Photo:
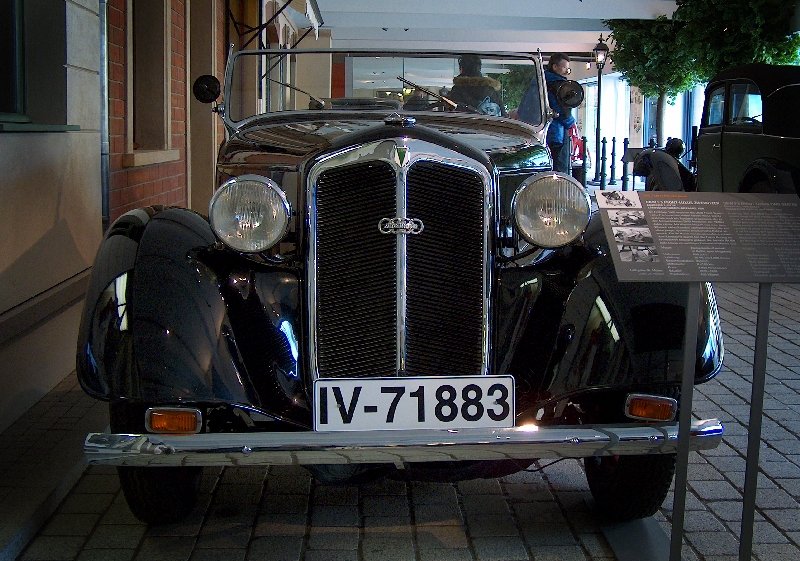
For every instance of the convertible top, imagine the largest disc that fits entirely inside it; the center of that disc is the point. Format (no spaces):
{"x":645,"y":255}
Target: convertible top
{"x":768,"y":77}
{"x":780,"y":92}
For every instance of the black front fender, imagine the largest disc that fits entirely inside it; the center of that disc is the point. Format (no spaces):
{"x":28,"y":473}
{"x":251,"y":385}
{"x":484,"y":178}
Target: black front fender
{"x":169,"y":318}
{"x":573,"y":327}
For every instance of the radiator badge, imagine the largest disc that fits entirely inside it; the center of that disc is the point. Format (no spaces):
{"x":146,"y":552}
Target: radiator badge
{"x":400,"y":226}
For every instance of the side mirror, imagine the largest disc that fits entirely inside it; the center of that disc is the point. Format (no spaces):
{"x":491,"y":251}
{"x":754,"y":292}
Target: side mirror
{"x":569,"y":94}
{"x":206,"y":88}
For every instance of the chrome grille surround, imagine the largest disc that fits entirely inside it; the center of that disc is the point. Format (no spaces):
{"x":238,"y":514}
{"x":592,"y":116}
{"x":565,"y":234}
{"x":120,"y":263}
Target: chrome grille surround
{"x":401,"y":154}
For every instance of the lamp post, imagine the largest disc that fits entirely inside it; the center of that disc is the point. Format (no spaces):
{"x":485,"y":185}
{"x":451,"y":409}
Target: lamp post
{"x":600,"y":54}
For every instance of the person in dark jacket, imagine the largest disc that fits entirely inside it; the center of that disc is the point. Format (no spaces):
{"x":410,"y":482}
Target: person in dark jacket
{"x":417,"y":102}
{"x":556,"y":71}
{"x":663,"y":170}
{"x":675,"y":148}
{"x":472,"y":88}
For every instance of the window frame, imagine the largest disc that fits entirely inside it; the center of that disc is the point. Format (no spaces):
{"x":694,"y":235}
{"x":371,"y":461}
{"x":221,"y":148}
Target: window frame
{"x":706,"y":112}
{"x":161,"y":150}
{"x":754,"y":128}
{"x":19,"y":114}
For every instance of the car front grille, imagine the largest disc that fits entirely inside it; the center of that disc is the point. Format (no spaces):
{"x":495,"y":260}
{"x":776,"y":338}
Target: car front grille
{"x":359,"y":278}
{"x":356,"y":278}
{"x":445,"y":271}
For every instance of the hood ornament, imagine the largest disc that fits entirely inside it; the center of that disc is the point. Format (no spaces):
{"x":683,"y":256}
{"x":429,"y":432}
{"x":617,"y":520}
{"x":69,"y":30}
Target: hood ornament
{"x":397,"y":120}
{"x":400,"y":225}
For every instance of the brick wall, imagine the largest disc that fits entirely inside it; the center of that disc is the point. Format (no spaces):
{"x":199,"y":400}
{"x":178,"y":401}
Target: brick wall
{"x":157,"y":184}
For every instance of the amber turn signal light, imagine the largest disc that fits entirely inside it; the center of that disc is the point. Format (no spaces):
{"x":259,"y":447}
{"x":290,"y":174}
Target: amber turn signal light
{"x":172,"y":420}
{"x":650,"y":407}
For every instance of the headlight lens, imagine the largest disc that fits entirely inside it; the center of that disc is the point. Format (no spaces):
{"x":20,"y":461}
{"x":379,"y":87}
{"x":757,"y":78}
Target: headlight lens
{"x":550,"y":209}
{"x":250,"y":213}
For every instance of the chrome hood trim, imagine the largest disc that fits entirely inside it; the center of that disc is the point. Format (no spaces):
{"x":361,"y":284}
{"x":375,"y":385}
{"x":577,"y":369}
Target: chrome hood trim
{"x":298,"y":448}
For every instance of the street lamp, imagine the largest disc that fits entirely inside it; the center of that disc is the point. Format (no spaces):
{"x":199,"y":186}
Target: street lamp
{"x":600,"y":54}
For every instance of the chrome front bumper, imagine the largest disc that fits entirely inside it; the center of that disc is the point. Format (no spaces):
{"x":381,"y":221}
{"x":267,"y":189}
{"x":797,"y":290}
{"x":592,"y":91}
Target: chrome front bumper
{"x":287,"y":448}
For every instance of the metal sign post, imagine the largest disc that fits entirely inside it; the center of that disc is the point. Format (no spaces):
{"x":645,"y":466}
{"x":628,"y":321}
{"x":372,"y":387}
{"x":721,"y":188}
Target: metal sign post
{"x":754,"y":425}
{"x":684,"y":423}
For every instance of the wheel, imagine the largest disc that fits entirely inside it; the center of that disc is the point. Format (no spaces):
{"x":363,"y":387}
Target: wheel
{"x":160,"y":495}
{"x":155,"y":495}
{"x":451,"y":472}
{"x":629,"y":487}
{"x":762,"y":186}
{"x":348,"y":474}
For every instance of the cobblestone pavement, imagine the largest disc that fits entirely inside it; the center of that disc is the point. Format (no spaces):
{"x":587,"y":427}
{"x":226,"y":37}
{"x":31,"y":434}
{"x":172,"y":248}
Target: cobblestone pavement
{"x":281,"y":513}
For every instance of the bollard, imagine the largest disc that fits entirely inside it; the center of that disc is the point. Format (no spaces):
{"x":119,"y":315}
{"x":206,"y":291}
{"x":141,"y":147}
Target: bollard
{"x":603,"y":165}
{"x":613,"y":180}
{"x":625,"y":143}
{"x":583,"y":159}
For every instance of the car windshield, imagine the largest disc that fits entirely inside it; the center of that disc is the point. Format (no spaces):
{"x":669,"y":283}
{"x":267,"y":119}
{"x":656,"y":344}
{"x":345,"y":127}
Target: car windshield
{"x":261,"y":82}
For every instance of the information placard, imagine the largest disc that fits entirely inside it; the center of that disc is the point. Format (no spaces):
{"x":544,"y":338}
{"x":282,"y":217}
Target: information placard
{"x":692,"y":237}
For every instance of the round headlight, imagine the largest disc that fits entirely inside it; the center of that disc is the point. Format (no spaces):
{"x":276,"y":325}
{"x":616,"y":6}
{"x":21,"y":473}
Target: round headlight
{"x":550,"y":209}
{"x":250,"y":213}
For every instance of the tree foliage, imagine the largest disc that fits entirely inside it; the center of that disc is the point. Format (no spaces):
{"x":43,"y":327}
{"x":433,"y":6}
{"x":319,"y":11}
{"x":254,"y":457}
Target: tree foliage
{"x":648,"y":56}
{"x":515,"y":83}
{"x":720,"y":34}
{"x":664,"y":57}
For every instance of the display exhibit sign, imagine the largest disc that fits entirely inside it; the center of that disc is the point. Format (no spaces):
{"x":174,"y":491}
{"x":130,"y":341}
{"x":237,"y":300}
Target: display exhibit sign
{"x":691,"y":237}
{"x":697,"y":237}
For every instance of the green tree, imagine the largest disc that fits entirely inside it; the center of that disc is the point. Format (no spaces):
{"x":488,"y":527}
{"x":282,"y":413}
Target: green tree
{"x":721,"y":34}
{"x":515,"y":83}
{"x":649,"y":57}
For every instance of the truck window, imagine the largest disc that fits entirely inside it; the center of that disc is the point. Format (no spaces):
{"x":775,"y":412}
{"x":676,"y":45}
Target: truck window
{"x":715,"y":104}
{"x":745,"y":105}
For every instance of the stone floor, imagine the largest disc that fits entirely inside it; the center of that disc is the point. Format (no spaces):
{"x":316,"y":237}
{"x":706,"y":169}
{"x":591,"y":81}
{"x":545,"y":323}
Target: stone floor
{"x":281,"y":513}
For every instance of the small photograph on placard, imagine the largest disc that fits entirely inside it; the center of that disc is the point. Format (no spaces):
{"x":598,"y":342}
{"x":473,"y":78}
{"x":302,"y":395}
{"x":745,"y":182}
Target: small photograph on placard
{"x":633,"y":236}
{"x":618,"y":199}
{"x":638,"y":254}
{"x":627,"y":218}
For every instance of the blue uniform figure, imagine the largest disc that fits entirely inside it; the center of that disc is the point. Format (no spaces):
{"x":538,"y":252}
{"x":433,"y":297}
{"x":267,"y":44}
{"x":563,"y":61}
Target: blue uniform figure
{"x":556,"y":71}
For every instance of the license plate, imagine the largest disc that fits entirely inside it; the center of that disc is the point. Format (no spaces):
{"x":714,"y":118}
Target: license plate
{"x":343,"y":404}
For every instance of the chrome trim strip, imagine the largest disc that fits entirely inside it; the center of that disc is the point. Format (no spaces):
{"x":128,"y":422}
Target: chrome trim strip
{"x":401,"y":254}
{"x":386,"y":151}
{"x":394,"y":446}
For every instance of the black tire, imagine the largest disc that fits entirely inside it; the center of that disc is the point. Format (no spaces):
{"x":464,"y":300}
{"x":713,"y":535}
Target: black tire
{"x":451,"y":472}
{"x":155,"y":495}
{"x":160,"y":495}
{"x":761,"y":186}
{"x":629,"y":487}
{"x":348,"y":474}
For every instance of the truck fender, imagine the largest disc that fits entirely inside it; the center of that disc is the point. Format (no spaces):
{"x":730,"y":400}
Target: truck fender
{"x":779,"y":176}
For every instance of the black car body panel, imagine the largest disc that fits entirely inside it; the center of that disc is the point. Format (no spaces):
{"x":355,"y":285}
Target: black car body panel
{"x":195,"y":323}
{"x":175,"y":317}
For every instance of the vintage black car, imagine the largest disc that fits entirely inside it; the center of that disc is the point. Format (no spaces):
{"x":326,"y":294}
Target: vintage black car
{"x":749,"y":138}
{"x":383,"y":292}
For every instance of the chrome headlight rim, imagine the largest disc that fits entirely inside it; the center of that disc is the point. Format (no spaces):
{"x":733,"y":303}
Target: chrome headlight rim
{"x":269,"y":185}
{"x":528,"y":183}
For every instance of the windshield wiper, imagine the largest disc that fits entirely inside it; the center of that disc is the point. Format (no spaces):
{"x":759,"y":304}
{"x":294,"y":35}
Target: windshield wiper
{"x":440,"y":97}
{"x":318,"y":103}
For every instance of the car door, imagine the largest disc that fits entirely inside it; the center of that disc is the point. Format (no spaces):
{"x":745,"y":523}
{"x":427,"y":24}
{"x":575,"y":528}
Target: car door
{"x":709,"y":140}
{"x":742,"y":138}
